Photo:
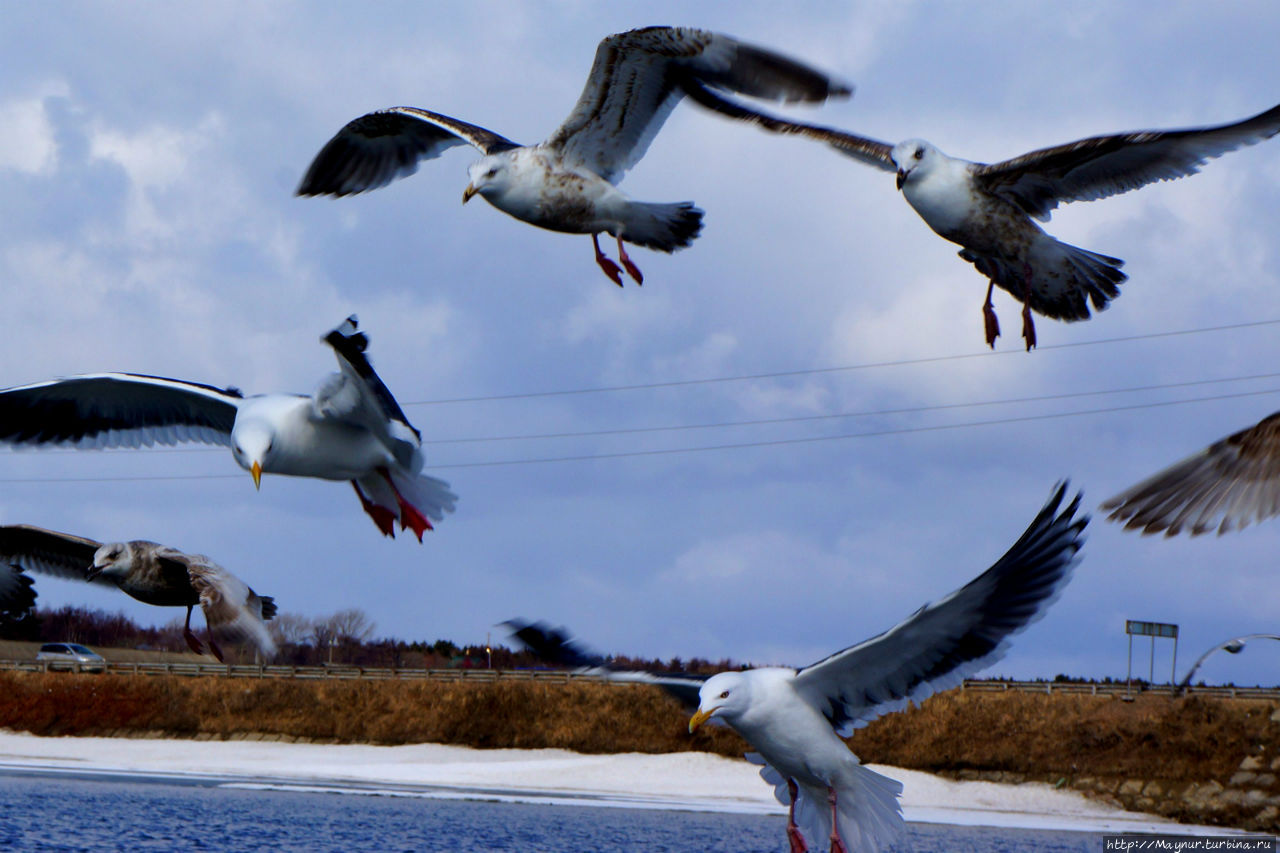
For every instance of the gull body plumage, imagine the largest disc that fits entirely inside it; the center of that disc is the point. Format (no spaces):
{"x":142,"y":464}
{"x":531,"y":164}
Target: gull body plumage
{"x":796,"y":720}
{"x":351,"y":428}
{"x":567,"y":182}
{"x":992,"y":210}
{"x":152,"y":573}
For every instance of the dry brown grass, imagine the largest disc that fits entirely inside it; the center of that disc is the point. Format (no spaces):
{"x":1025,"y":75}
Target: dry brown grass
{"x":586,"y":717}
{"x":1040,"y":736}
{"x":1066,"y":735}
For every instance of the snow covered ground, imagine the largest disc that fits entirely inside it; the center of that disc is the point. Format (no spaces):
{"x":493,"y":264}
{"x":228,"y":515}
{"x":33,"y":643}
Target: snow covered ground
{"x":685,"y":781}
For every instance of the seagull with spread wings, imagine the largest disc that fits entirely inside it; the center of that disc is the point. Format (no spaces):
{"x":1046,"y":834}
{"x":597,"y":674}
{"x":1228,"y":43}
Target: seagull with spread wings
{"x":351,"y":428}
{"x":1228,"y":485}
{"x":989,"y":208}
{"x":567,"y":183}
{"x":152,"y":573}
{"x":796,"y":719}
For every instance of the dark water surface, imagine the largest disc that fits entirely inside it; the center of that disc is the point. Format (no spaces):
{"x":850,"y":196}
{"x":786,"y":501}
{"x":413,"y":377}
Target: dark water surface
{"x":63,"y":811}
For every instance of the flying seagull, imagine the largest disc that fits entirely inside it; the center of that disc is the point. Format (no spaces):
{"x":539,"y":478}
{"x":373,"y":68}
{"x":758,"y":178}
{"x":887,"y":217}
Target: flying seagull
{"x":152,"y":573}
{"x":795,"y":719}
{"x":988,"y":208}
{"x":351,"y":428}
{"x":567,"y":183}
{"x":1228,"y":485}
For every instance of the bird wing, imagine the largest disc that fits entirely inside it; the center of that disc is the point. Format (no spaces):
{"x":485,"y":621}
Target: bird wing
{"x":637,"y":79}
{"x":554,"y":646}
{"x":359,"y":394}
{"x":17,"y":590}
{"x":35,"y":549}
{"x":1227,"y":485}
{"x":379,"y":147}
{"x":942,"y":643}
{"x":231,"y":608}
{"x":1104,"y":166}
{"x":869,"y":151}
{"x":117,"y":410}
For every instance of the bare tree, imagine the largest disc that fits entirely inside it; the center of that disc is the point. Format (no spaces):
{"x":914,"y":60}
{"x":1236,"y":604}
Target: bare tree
{"x":351,"y":625}
{"x":290,"y":629}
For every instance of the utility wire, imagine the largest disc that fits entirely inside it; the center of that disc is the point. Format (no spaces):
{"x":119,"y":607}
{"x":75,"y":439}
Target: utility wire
{"x":865,"y":414}
{"x":760,"y":421}
{"x":704,"y":448}
{"x":676,"y":383}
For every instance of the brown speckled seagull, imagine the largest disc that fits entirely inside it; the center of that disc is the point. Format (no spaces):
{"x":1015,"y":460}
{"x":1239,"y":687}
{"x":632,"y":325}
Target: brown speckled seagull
{"x":1226,"y":486}
{"x":567,"y":183}
{"x":988,"y":208}
{"x":152,"y":573}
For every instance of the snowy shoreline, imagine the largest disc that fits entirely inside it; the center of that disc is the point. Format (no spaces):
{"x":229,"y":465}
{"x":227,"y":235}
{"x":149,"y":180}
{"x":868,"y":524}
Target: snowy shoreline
{"x":686,"y":781}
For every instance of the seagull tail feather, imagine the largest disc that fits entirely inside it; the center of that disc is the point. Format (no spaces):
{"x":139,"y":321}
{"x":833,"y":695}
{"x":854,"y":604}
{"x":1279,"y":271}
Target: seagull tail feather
{"x":867,"y":808}
{"x":664,"y":227}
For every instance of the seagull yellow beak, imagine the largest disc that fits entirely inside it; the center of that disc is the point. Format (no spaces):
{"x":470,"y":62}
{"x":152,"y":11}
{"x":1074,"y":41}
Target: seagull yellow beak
{"x":699,"y":718}
{"x":902,"y":177}
{"x":256,"y":471}
{"x":468,"y":193}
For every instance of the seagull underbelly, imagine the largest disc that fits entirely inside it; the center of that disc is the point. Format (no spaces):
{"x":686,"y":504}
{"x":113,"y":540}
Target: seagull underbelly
{"x":330,"y":451}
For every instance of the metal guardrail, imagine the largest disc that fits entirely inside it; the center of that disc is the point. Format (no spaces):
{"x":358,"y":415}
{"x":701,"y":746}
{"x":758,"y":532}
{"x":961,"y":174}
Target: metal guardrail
{"x":547,"y":676}
{"x":1118,"y":689}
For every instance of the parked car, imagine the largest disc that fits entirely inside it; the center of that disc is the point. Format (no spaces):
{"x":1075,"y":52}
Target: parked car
{"x":67,"y":655}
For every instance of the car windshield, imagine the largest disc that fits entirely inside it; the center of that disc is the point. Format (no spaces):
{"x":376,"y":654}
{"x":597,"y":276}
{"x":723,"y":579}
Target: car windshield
{"x":76,"y":647}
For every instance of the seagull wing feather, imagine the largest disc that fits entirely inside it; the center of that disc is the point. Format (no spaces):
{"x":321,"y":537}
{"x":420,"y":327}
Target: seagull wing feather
{"x":1103,"y":166}
{"x":17,"y":590}
{"x":117,"y":410}
{"x":35,"y":549}
{"x":555,"y":646}
{"x":639,"y":76}
{"x":231,"y":608}
{"x":1226,"y":486}
{"x":377,"y":148}
{"x":943,"y":643}
{"x":868,"y":151}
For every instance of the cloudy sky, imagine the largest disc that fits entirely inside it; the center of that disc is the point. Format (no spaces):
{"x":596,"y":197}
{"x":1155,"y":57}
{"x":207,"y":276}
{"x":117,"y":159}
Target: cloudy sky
{"x":147,"y":168}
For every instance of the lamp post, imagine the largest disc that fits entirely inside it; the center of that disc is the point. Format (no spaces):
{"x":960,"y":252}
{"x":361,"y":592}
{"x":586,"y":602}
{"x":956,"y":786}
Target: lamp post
{"x":1231,"y":647}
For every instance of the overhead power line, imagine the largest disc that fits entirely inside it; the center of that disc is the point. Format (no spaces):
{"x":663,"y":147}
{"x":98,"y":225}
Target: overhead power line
{"x":703,"y":448}
{"x":676,"y":383}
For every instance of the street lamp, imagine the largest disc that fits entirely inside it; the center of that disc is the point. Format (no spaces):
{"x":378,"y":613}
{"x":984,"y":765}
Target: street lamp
{"x":1231,"y":647}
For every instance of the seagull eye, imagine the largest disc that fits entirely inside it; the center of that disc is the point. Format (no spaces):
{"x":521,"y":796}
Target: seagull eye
{"x":493,"y":170}
{"x":919,"y":153}
{"x":724,"y":695}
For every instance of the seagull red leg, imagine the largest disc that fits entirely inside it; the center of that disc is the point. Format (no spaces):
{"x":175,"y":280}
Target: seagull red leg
{"x":632,"y":269}
{"x":837,"y":846}
{"x":794,"y":837}
{"x":383,"y":517}
{"x":610,"y":268}
{"x":217,"y":652}
{"x":1028,"y":324}
{"x":192,"y":641}
{"x":989,"y":317}
{"x":409,"y":515}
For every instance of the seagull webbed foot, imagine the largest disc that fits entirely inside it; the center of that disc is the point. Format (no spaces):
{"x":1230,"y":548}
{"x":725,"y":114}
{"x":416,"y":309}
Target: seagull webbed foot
{"x":410,"y":516}
{"x":217,"y":652}
{"x":610,"y":268}
{"x":383,"y":517}
{"x":1028,"y":328}
{"x":632,"y":269}
{"x":193,"y":642}
{"x":837,"y":846}
{"x":795,"y":839}
{"x":1028,"y":324}
{"x":989,"y":318}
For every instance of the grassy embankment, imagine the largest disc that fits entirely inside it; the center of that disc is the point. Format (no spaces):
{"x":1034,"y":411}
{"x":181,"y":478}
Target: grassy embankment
{"x":1063,"y":739}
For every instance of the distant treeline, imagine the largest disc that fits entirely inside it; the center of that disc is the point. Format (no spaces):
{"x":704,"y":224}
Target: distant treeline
{"x":342,"y":637}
